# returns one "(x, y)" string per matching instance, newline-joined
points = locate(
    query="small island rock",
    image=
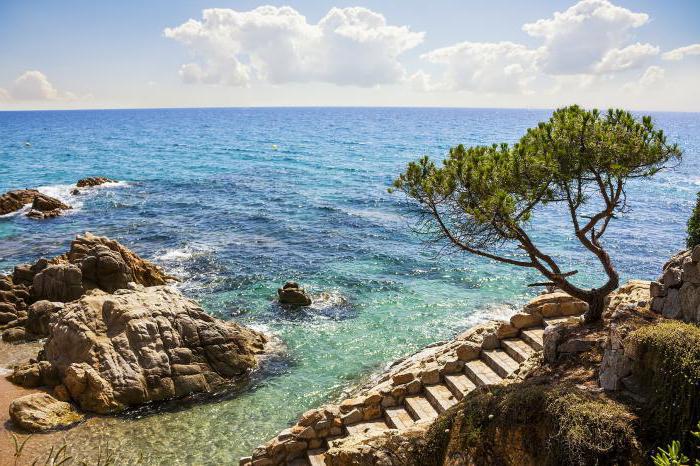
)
(292, 293)
(93, 181)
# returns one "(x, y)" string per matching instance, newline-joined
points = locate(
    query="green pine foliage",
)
(694, 226)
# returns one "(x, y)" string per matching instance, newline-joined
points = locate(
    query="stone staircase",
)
(415, 391)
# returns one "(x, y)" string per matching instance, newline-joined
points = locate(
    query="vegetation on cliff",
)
(694, 226)
(484, 197)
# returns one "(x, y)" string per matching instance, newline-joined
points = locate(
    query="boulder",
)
(61, 282)
(105, 268)
(12, 201)
(39, 412)
(93, 181)
(144, 344)
(102, 262)
(292, 293)
(44, 206)
(39, 315)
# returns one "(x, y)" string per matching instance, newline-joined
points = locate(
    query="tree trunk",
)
(596, 306)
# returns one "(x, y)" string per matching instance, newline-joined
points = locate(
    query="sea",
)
(236, 201)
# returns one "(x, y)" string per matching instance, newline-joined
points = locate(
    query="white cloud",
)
(579, 39)
(484, 66)
(349, 46)
(681, 52)
(653, 77)
(33, 85)
(632, 56)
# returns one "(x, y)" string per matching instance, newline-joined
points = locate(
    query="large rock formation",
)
(676, 294)
(39, 411)
(93, 262)
(93, 181)
(139, 345)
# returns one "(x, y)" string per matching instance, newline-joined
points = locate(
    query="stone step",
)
(517, 349)
(398, 418)
(555, 321)
(440, 397)
(480, 373)
(362, 428)
(533, 337)
(459, 384)
(501, 363)
(420, 408)
(316, 457)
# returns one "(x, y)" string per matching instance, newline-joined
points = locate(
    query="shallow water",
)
(206, 194)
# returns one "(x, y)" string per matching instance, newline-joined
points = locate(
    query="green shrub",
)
(694, 226)
(669, 365)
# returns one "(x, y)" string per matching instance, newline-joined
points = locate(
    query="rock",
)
(672, 304)
(115, 351)
(14, 335)
(62, 282)
(695, 255)
(39, 412)
(292, 293)
(106, 269)
(672, 277)
(75, 192)
(12, 201)
(616, 365)
(35, 374)
(44, 203)
(689, 302)
(39, 315)
(468, 351)
(524, 320)
(656, 290)
(93, 181)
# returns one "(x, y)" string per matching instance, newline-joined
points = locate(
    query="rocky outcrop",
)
(39, 412)
(108, 265)
(405, 400)
(676, 293)
(292, 293)
(113, 351)
(93, 181)
(43, 206)
(92, 262)
(13, 201)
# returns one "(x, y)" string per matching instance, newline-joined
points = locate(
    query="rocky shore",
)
(117, 336)
(544, 388)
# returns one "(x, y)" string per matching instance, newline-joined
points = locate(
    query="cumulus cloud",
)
(681, 52)
(652, 77)
(348, 46)
(589, 40)
(588, 37)
(487, 67)
(632, 56)
(33, 85)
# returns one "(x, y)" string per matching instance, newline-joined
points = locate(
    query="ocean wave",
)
(63, 192)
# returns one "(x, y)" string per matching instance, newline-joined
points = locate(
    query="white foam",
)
(175, 255)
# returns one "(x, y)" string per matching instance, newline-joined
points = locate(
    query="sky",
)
(75, 54)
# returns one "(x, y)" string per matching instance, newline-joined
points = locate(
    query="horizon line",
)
(324, 107)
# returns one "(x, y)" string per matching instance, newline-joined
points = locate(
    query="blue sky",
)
(94, 54)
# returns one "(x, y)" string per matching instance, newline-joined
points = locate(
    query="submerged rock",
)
(39, 412)
(93, 181)
(144, 344)
(292, 293)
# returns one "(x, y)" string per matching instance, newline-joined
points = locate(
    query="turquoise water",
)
(237, 201)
